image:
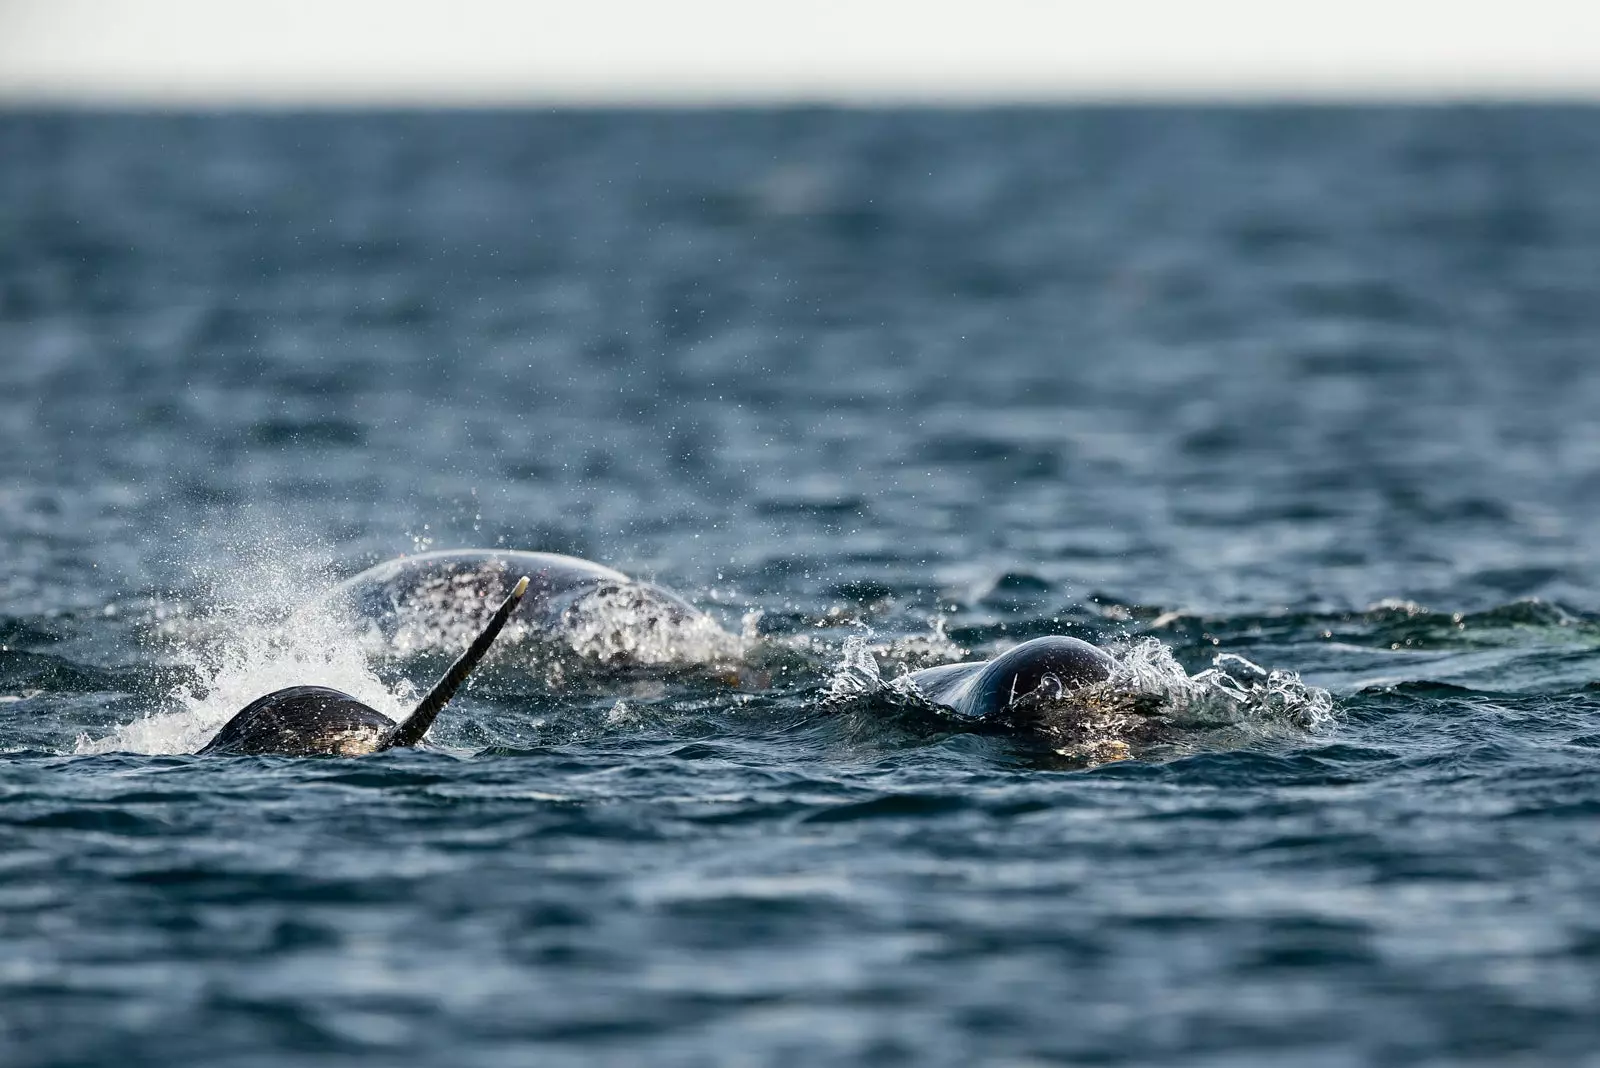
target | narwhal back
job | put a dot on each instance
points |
(986, 689)
(303, 721)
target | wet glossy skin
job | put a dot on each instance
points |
(303, 721)
(986, 689)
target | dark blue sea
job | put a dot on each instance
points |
(1294, 410)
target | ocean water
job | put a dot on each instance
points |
(1294, 409)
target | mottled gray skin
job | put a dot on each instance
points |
(439, 587)
(987, 689)
(303, 721)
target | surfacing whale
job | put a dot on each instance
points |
(427, 602)
(990, 689)
(320, 721)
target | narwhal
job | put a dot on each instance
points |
(1054, 688)
(321, 721)
(431, 600)
(990, 689)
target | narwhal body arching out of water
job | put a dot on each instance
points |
(428, 602)
(989, 689)
(320, 721)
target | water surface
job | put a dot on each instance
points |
(1309, 387)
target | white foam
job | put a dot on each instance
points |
(1232, 692)
(625, 624)
(251, 636)
(247, 664)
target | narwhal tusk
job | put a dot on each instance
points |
(411, 730)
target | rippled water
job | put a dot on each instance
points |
(1309, 391)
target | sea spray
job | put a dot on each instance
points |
(1232, 691)
(255, 627)
(1149, 698)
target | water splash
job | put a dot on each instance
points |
(628, 624)
(247, 634)
(574, 632)
(1232, 691)
(1149, 698)
(858, 673)
(857, 676)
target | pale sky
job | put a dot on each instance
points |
(294, 52)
